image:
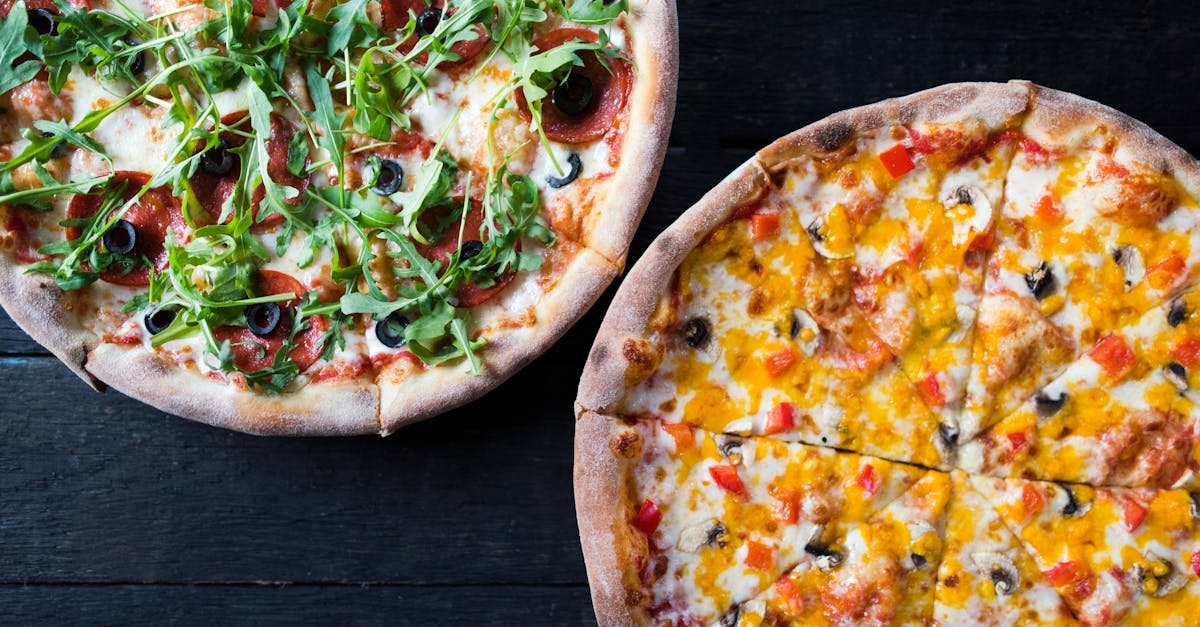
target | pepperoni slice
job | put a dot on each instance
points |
(395, 16)
(212, 188)
(252, 353)
(7, 5)
(469, 294)
(150, 216)
(610, 91)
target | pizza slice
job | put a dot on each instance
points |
(757, 337)
(986, 577)
(1123, 414)
(1079, 186)
(704, 521)
(1114, 554)
(880, 572)
(909, 208)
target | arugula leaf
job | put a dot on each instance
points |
(589, 11)
(13, 46)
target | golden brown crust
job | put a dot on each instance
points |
(600, 507)
(655, 48)
(332, 408)
(43, 311)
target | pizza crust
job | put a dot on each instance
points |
(43, 311)
(330, 408)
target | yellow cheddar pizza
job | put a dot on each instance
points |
(321, 216)
(925, 362)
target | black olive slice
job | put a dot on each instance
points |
(120, 238)
(218, 161)
(573, 96)
(469, 249)
(1072, 506)
(389, 178)
(1048, 406)
(1177, 375)
(948, 435)
(137, 62)
(43, 21)
(1040, 280)
(262, 319)
(827, 558)
(158, 320)
(1177, 313)
(60, 149)
(576, 167)
(814, 231)
(390, 330)
(428, 21)
(695, 332)
(918, 560)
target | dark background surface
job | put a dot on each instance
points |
(113, 512)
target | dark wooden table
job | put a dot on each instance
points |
(111, 512)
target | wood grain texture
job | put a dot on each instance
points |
(111, 512)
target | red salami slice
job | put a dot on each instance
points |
(469, 294)
(395, 15)
(608, 91)
(151, 216)
(252, 353)
(7, 5)
(216, 177)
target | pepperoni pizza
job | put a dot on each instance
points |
(928, 361)
(321, 216)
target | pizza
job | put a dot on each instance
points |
(928, 361)
(326, 216)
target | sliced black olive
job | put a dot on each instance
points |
(390, 330)
(60, 149)
(263, 318)
(918, 560)
(948, 435)
(469, 249)
(1040, 280)
(1072, 506)
(137, 62)
(1048, 406)
(218, 161)
(573, 95)
(1177, 375)
(794, 329)
(1177, 313)
(389, 178)
(43, 21)
(428, 21)
(576, 167)
(695, 332)
(814, 231)
(827, 558)
(158, 320)
(120, 238)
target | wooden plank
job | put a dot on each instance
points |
(289, 605)
(101, 488)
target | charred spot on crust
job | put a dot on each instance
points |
(626, 445)
(833, 136)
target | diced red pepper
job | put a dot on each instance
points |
(1064, 573)
(1032, 499)
(867, 480)
(759, 555)
(787, 508)
(681, 433)
(727, 477)
(1113, 355)
(763, 225)
(1034, 150)
(1166, 273)
(779, 361)
(1018, 440)
(1047, 210)
(647, 517)
(1187, 352)
(931, 390)
(779, 419)
(1135, 513)
(1195, 563)
(896, 161)
(791, 594)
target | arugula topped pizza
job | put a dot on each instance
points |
(321, 217)
(925, 362)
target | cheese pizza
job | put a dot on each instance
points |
(928, 361)
(325, 216)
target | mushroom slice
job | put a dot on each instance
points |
(947, 436)
(999, 569)
(820, 236)
(1072, 507)
(1177, 312)
(708, 533)
(730, 446)
(1195, 505)
(921, 546)
(805, 331)
(1048, 403)
(1158, 576)
(1177, 375)
(981, 214)
(1130, 261)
